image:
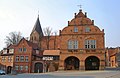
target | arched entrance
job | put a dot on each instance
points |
(9, 68)
(92, 63)
(72, 63)
(38, 67)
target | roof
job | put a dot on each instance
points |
(51, 52)
(37, 27)
(34, 45)
(11, 46)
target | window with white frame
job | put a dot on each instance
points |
(26, 58)
(26, 68)
(75, 44)
(72, 44)
(17, 58)
(16, 67)
(20, 49)
(3, 58)
(90, 44)
(21, 58)
(21, 67)
(9, 58)
(24, 49)
(75, 29)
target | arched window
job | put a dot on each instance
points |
(90, 44)
(72, 44)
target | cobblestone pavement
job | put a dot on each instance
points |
(68, 74)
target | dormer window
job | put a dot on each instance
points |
(75, 29)
(87, 29)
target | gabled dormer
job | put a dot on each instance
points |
(37, 32)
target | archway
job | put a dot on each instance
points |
(38, 67)
(92, 63)
(9, 68)
(72, 63)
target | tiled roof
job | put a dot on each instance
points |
(11, 46)
(34, 45)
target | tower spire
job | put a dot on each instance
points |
(37, 27)
(38, 14)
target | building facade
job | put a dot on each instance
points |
(79, 46)
(112, 57)
(82, 45)
(7, 58)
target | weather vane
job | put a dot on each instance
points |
(80, 6)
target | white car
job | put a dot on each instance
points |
(2, 72)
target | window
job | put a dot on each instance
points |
(37, 51)
(21, 58)
(75, 45)
(9, 58)
(75, 29)
(24, 49)
(87, 29)
(21, 67)
(16, 67)
(26, 68)
(56, 58)
(3, 58)
(72, 44)
(90, 44)
(17, 58)
(20, 49)
(26, 58)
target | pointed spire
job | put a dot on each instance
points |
(37, 27)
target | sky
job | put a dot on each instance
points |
(21, 15)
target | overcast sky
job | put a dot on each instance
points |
(20, 15)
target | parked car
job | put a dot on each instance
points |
(2, 72)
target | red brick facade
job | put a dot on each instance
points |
(80, 46)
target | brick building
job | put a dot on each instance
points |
(7, 58)
(112, 57)
(82, 45)
(79, 46)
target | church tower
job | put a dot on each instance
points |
(37, 32)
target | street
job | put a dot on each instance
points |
(68, 74)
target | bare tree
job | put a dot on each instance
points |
(13, 38)
(55, 33)
(47, 32)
